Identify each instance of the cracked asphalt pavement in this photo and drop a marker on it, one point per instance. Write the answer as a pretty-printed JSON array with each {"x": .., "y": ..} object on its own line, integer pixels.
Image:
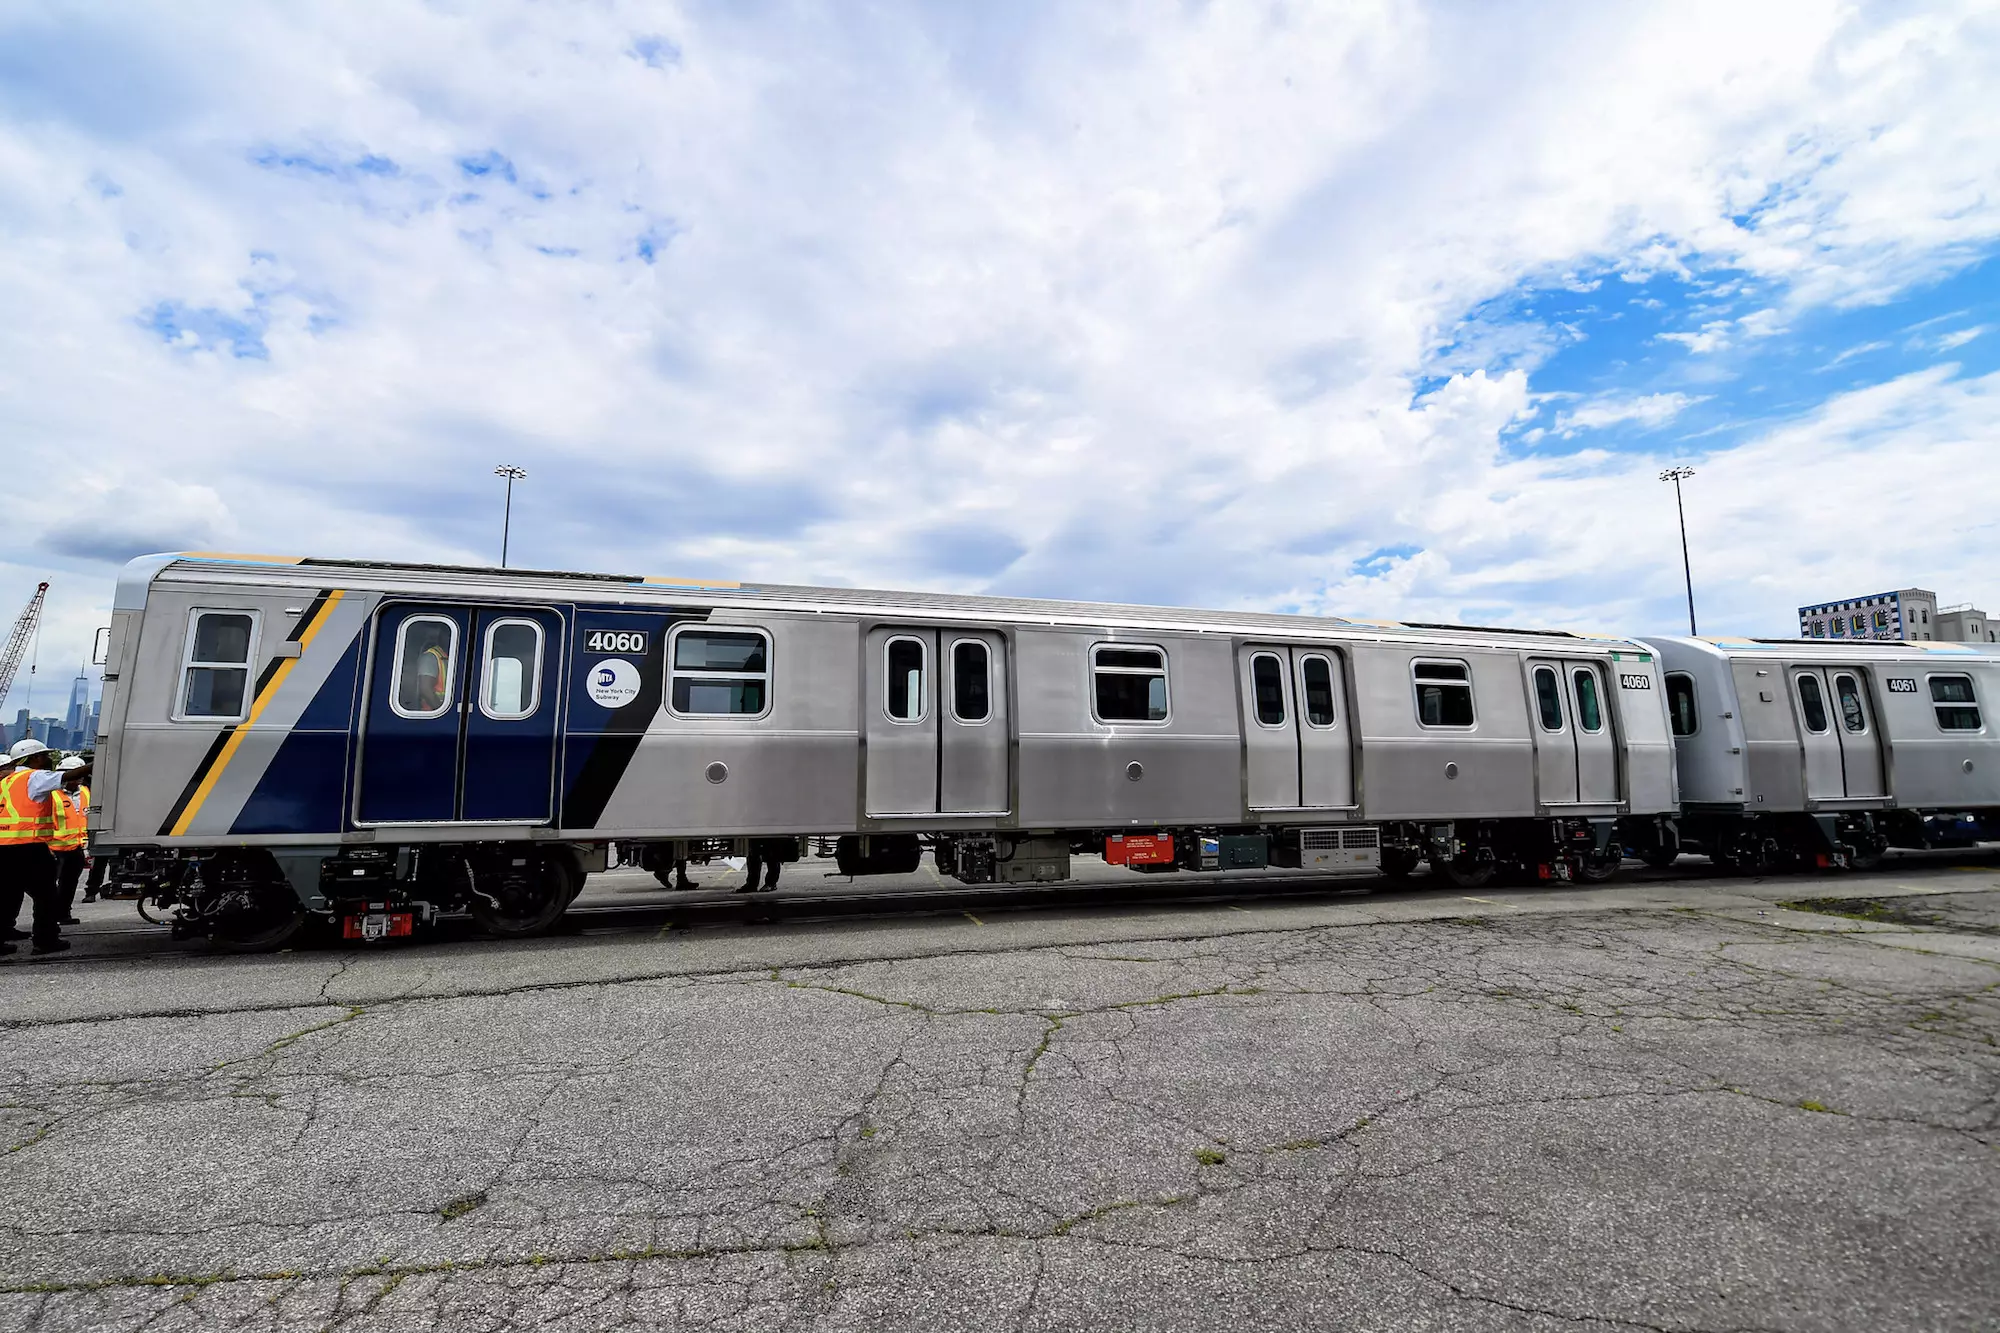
[{"x": 1673, "y": 1104}]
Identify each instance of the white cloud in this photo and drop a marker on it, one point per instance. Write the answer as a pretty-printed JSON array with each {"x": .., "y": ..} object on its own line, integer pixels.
[
  {"x": 1080, "y": 301},
  {"x": 1648, "y": 411},
  {"x": 1958, "y": 339}
]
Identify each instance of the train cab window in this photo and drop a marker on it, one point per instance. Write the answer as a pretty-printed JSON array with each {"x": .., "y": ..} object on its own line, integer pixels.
[
  {"x": 720, "y": 673},
  {"x": 1444, "y": 693},
  {"x": 1548, "y": 698},
  {"x": 1317, "y": 672},
  {"x": 1957, "y": 706},
  {"x": 510, "y": 670},
  {"x": 1847, "y": 693},
  {"x": 1589, "y": 712},
  {"x": 906, "y": 680},
  {"x": 426, "y": 666},
  {"x": 1129, "y": 684},
  {"x": 971, "y": 699},
  {"x": 1812, "y": 703},
  {"x": 1267, "y": 686},
  {"x": 215, "y": 666},
  {"x": 1681, "y": 715}
]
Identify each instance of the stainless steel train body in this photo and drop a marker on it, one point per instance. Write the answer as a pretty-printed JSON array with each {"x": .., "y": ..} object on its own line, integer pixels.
[
  {"x": 400, "y": 735},
  {"x": 1808, "y": 750}
]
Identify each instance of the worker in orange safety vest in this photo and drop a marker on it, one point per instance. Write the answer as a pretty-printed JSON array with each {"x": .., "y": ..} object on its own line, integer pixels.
[
  {"x": 27, "y": 827},
  {"x": 72, "y": 809}
]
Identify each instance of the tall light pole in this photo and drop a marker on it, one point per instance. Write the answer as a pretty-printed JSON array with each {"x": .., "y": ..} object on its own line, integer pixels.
[
  {"x": 1677, "y": 475},
  {"x": 512, "y": 474}
]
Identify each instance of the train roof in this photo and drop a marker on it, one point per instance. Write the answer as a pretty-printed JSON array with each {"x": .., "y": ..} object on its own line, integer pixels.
[
  {"x": 1832, "y": 650},
  {"x": 459, "y": 581}
]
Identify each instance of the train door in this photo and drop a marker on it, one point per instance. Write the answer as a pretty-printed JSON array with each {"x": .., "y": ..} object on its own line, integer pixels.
[
  {"x": 1860, "y": 742},
  {"x": 1812, "y": 695},
  {"x": 937, "y": 729},
  {"x": 974, "y": 736},
  {"x": 1576, "y": 755},
  {"x": 1295, "y": 750},
  {"x": 1326, "y": 764},
  {"x": 1555, "y": 743},
  {"x": 460, "y": 722},
  {"x": 1270, "y": 729}
]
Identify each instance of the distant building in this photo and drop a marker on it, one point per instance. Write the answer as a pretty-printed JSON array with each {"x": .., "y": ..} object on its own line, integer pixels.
[
  {"x": 78, "y": 713},
  {"x": 1966, "y": 623},
  {"x": 1908, "y": 613}
]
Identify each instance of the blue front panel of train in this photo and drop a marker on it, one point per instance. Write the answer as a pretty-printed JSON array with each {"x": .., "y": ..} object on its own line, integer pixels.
[
  {"x": 510, "y": 729},
  {"x": 409, "y": 743},
  {"x": 613, "y": 690},
  {"x": 303, "y": 789}
]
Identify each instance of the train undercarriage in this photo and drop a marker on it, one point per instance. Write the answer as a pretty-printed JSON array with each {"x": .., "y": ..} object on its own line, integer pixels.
[{"x": 253, "y": 898}]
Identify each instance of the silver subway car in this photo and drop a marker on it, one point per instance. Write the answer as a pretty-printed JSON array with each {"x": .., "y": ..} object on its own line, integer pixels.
[
  {"x": 1813, "y": 753},
  {"x": 376, "y": 744}
]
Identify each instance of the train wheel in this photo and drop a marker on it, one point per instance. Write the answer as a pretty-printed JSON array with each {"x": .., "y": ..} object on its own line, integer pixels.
[
  {"x": 1469, "y": 874},
  {"x": 515, "y": 902},
  {"x": 1400, "y": 862},
  {"x": 248, "y": 906},
  {"x": 1599, "y": 866}
]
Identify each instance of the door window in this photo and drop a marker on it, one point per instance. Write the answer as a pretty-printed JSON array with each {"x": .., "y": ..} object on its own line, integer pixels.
[
  {"x": 1589, "y": 715},
  {"x": 1680, "y": 704},
  {"x": 1444, "y": 693},
  {"x": 1267, "y": 685},
  {"x": 720, "y": 673},
  {"x": 1548, "y": 698},
  {"x": 905, "y": 680},
  {"x": 1130, "y": 684},
  {"x": 1957, "y": 706},
  {"x": 1318, "y": 673},
  {"x": 215, "y": 666},
  {"x": 511, "y": 670},
  {"x": 1847, "y": 692},
  {"x": 970, "y": 700},
  {"x": 426, "y": 664},
  {"x": 1812, "y": 703}
]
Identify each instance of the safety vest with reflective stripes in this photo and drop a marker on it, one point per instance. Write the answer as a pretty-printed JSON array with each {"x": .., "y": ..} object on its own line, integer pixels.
[
  {"x": 23, "y": 820},
  {"x": 72, "y": 818}
]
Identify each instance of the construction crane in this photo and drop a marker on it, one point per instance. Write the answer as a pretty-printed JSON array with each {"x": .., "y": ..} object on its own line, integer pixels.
[{"x": 17, "y": 642}]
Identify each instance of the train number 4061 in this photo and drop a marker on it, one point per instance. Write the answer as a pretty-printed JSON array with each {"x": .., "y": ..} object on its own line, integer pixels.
[{"x": 615, "y": 641}]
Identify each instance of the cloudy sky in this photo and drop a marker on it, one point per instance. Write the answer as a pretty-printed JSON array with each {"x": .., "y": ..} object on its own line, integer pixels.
[{"x": 1392, "y": 311}]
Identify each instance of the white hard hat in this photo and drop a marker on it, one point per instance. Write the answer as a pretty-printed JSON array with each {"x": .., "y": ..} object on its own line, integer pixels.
[
  {"x": 24, "y": 749},
  {"x": 72, "y": 763}
]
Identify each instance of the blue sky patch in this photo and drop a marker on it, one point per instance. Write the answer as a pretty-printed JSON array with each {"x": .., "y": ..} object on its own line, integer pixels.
[
  {"x": 1383, "y": 559},
  {"x": 207, "y": 328},
  {"x": 1698, "y": 360},
  {"x": 656, "y": 52},
  {"x": 490, "y": 163}
]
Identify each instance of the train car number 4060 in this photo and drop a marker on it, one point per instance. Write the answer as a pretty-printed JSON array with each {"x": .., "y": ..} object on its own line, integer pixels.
[{"x": 615, "y": 641}]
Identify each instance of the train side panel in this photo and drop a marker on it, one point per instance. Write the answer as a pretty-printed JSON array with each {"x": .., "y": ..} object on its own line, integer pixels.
[
  {"x": 1078, "y": 772},
  {"x": 1411, "y": 771}
]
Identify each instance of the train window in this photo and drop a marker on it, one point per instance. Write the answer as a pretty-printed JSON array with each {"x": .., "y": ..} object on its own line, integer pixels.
[
  {"x": 510, "y": 670},
  {"x": 426, "y": 666},
  {"x": 1847, "y": 691},
  {"x": 906, "y": 680},
  {"x": 1317, "y": 673},
  {"x": 1589, "y": 713},
  {"x": 1548, "y": 698},
  {"x": 1267, "y": 686},
  {"x": 1812, "y": 703},
  {"x": 720, "y": 673},
  {"x": 1129, "y": 684},
  {"x": 1681, "y": 715},
  {"x": 215, "y": 667},
  {"x": 1444, "y": 693},
  {"x": 1957, "y": 706},
  {"x": 970, "y": 688}
]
